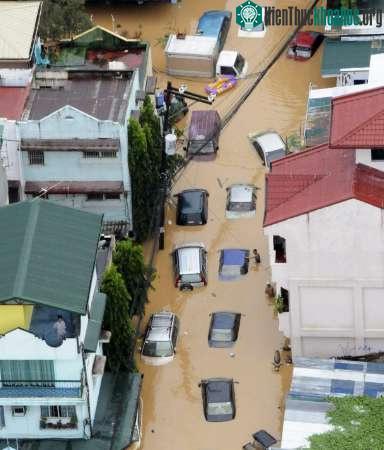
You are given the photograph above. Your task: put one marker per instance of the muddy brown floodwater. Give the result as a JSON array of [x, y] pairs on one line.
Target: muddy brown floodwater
[[173, 416]]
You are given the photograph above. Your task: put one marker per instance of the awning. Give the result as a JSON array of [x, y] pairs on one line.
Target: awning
[[339, 55], [67, 145], [74, 187]]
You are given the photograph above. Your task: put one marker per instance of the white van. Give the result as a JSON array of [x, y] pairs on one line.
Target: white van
[[190, 266], [231, 63]]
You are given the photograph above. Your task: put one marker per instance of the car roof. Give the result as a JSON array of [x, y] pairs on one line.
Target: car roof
[[191, 200], [211, 22], [189, 260], [241, 192], [218, 390], [270, 141], [160, 326], [223, 320], [227, 58]]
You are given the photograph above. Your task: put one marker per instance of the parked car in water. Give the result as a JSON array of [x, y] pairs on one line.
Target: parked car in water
[[192, 207], [190, 266], [269, 146], [160, 338], [233, 263], [223, 329], [304, 45], [203, 134], [215, 24], [232, 64], [241, 201], [218, 399]]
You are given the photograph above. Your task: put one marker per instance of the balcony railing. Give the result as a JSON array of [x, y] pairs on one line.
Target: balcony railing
[[41, 388]]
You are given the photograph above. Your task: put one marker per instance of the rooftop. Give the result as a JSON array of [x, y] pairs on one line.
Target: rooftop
[[339, 55], [12, 101], [47, 254], [314, 380], [191, 45], [358, 120], [18, 27], [103, 96], [317, 178]]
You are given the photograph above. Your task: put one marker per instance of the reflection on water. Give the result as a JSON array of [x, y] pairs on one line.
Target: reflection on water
[[173, 415]]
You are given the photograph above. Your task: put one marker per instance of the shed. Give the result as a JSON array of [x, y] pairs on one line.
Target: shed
[[204, 132]]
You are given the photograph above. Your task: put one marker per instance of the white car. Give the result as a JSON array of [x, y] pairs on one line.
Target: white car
[[231, 63], [241, 201], [269, 146]]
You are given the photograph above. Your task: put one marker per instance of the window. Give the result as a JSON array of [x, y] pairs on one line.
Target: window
[[285, 296], [41, 195], [95, 196], [112, 196], [90, 155], [36, 158], [279, 248], [58, 411], [18, 411], [2, 419], [377, 154]]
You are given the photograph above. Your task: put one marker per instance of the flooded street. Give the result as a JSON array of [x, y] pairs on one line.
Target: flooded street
[[173, 414]]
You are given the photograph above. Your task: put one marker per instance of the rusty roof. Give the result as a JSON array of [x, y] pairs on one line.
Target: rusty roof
[[105, 98], [317, 178], [358, 120], [104, 145], [12, 102], [73, 187], [204, 124]]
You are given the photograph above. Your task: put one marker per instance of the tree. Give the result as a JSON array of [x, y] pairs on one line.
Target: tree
[[358, 424], [63, 18], [116, 319], [129, 260]]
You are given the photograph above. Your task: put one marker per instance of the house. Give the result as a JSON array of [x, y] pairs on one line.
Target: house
[[73, 132], [314, 381], [323, 220], [347, 49], [18, 38], [51, 311]]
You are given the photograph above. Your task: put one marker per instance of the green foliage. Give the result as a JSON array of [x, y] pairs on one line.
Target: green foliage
[[63, 19], [129, 260], [358, 424], [278, 305], [294, 142], [116, 319]]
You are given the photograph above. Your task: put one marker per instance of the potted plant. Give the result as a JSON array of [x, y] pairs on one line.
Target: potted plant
[[73, 422], [43, 423], [278, 305]]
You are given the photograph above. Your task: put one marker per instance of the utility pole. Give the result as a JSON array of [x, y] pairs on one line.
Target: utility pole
[[180, 92]]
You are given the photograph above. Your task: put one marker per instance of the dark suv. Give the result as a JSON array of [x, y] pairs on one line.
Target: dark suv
[[192, 207]]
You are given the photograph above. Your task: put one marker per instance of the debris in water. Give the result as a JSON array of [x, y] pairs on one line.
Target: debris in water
[[232, 355], [219, 181], [169, 222], [213, 294]]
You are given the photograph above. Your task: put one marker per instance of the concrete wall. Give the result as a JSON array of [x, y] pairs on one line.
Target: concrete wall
[[334, 275], [3, 185]]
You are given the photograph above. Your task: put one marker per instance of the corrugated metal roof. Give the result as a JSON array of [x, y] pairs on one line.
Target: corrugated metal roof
[[339, 55], [12, 102], [317, 178], [18, 23], [358, 120], [313, 382], [74, 187], [47, 254], [92, 334]]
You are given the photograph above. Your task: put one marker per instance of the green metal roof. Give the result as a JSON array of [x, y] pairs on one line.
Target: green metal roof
[[47, 254], [339, 54], [92, 334]]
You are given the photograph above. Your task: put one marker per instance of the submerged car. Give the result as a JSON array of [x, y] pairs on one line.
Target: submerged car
[[241, 201], [160, 339], [233, 263], [304, 45], [218, 399], [215, 24], [269, 146], [223, 329], [190, 266], [192, 207]]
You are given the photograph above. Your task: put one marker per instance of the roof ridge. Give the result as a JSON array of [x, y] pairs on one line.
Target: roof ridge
[[300, 154], [347, 96], [26, 248], [357, 129]]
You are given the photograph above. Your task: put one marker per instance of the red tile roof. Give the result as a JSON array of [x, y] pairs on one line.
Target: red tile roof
[[358, 120], [12, 101], [317, 178]]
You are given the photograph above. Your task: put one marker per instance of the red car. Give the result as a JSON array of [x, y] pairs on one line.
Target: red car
[[304, 45]]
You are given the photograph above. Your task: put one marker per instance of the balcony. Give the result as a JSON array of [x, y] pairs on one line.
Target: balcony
[[41, 388]]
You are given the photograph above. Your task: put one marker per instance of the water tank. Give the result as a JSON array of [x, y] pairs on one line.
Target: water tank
[[170, 144]]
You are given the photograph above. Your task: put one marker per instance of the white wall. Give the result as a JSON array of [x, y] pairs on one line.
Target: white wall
[[334, 274], [3, 185], [363, 156]]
